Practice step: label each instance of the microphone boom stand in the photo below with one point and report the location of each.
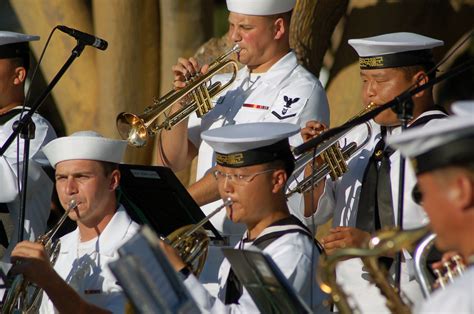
(26, 127)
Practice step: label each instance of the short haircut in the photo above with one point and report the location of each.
(411, 70)
(109, 167)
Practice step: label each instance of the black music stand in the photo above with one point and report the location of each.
(264, 281)
(148, 279)
(153, 195)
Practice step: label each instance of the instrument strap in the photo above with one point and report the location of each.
(279, 228)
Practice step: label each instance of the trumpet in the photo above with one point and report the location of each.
(24, 294)
(192, 241)
(137, 128)
(334, 158)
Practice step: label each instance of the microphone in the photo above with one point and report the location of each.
(84, 38)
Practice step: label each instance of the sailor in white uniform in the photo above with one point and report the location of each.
(365, 198)
(443, 158)
(252, 170)
(271, 87)
(14, 66)
(87, 173)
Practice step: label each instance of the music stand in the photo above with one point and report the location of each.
(148, 279)
(264, 281)
(153, 195)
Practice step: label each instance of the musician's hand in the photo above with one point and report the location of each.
(30, 259)
(185, 69)
(312, 129)
(172, 256)
(343, 237)
(447, 257)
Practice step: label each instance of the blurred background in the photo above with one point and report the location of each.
(147, 36)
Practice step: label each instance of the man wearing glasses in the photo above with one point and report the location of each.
(253, 164)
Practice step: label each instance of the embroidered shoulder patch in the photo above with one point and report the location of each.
(286, 107)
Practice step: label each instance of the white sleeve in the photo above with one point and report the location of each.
(209, 304)
(14, 156)
(326, 205)
(194, 130)
(8, 182)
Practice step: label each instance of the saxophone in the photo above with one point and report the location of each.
(385, 242)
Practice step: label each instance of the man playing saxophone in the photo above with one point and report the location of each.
(87, 172)
(443, 158)
(365, 198)
(252, 170)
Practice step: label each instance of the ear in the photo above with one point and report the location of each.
(114, 180)
(279, 180)
(463, 193)
(279, 28)
(420, 78)
(20, 76)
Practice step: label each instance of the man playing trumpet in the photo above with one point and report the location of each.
(272, 87)
(365, 198)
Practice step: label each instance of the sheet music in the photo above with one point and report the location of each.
(150, 277)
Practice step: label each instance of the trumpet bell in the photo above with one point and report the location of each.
(133, 128)
(196, 97)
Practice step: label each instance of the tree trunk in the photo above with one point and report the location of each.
(39, 17)
(186, 26)
(128, 71)
(312, 25)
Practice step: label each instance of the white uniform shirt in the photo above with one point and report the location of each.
(458, 297)
(340, 201)
(287, 92)
(89, 275)
(40, 187)
(291, 253)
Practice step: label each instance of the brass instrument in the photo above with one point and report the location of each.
(192, 241)
(136, 128)
(452, 268)
(23, 296)
(385, 242)
(334, 158)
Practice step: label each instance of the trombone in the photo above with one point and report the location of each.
(137, 128)
(334, 159)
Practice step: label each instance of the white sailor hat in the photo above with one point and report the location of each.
(440, 143)
(87, 145)
(249, 144)
(394, 50)
(463, 107)
(260, 7)
(13, 45)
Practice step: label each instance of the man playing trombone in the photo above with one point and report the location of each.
(443, 158)
(364, 199)
(87, 176)
(252, 170)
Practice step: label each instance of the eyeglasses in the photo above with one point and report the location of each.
(238, 179)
